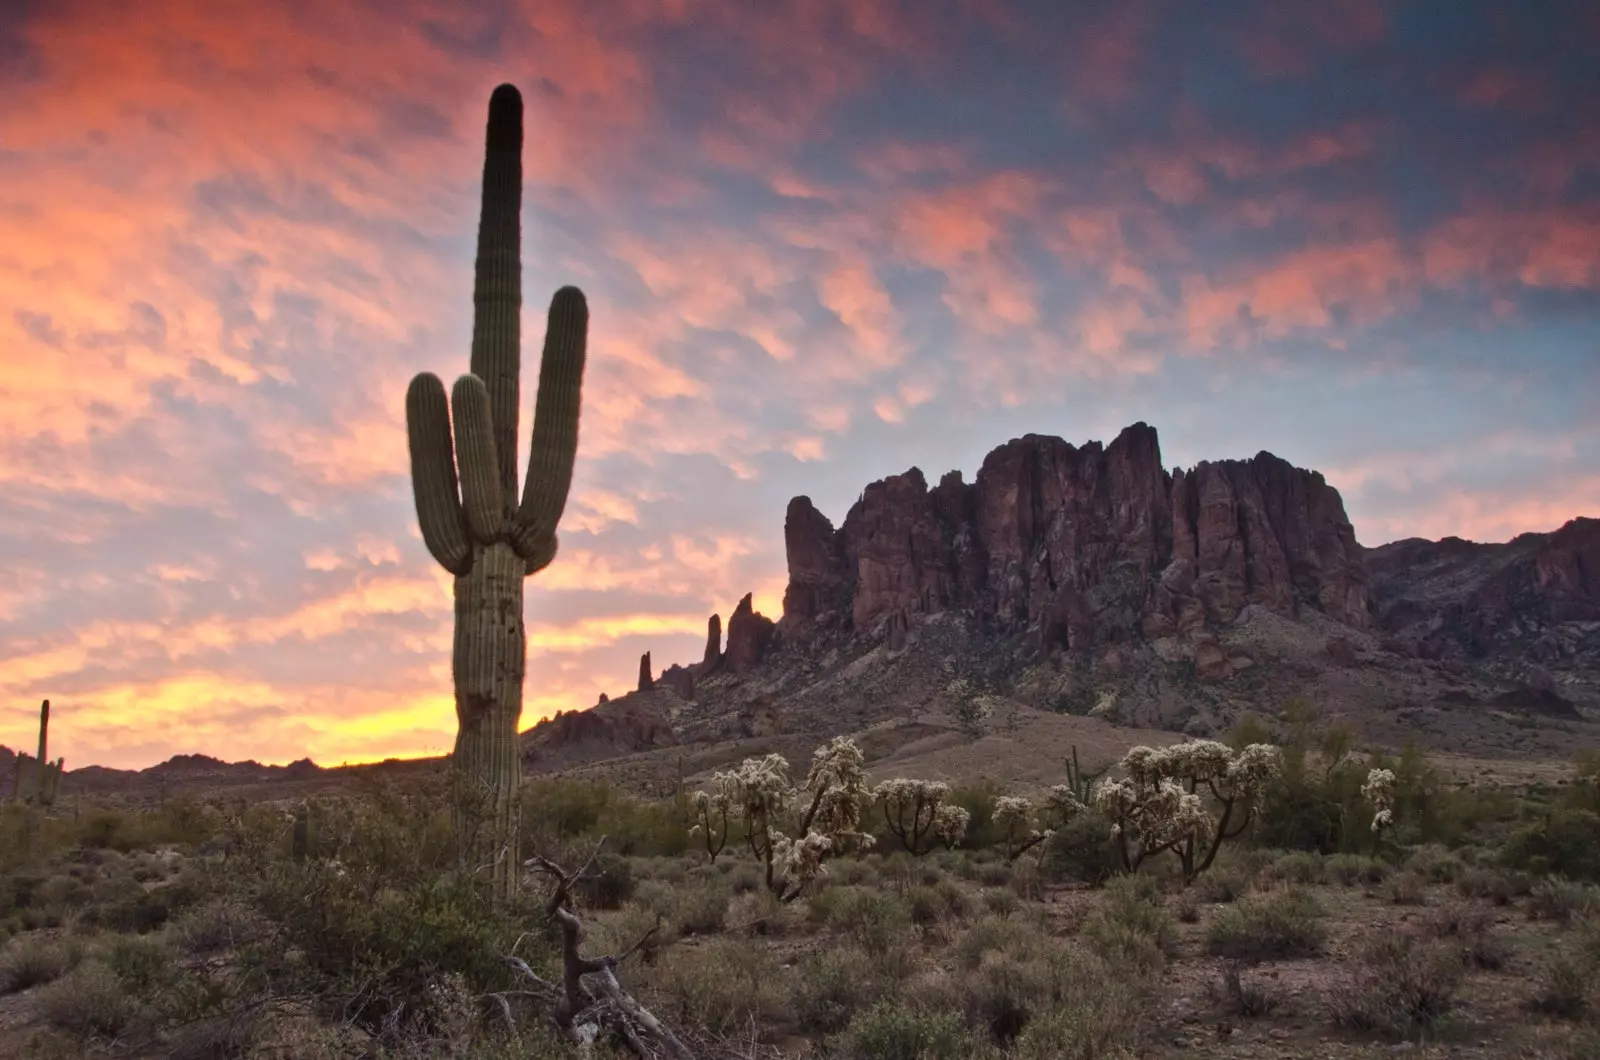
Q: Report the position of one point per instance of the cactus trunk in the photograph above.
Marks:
(489, 660)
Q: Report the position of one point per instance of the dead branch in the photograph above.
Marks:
(589, 985)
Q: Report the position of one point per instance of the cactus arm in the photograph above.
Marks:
(539, 559)
(555, 424)
(433, 474)
(482, 498)
(497, 287)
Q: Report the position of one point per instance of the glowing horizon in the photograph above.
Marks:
(822, 241)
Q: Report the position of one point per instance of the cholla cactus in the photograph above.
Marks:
(916, 812)
(761, 794)
(1158, 805)
(950, 824)
(838, 785)
(712, 810)
(1379, 791)
(1024, 826)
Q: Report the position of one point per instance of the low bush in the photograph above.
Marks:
(1400, 986)
(1348, 870)
(90, 1001)
(1130, 926)
(1300, 867)
(892, 1030)
(830, 989)
(1407, 888)
(1562, 900)
(1288, 923)
(1564, 842)
(31, 960)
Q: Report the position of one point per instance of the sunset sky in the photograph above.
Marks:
(822, 241)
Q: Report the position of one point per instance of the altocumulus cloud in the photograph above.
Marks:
(823, 240)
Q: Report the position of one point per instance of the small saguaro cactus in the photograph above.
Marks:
(467, 504)
(47, 774)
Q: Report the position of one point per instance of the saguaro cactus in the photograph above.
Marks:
(474, 524)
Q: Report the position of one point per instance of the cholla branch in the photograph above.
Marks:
(1379, 791)
(589, 985)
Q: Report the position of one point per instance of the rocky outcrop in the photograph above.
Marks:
(1081, 545)
(1535, 597)
(820, 582)
(646, 680)
(713, 654)
(750, 635)
(680, 679)
(628, 724)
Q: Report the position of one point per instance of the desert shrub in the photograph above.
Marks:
(830, 989)
(1189, 907)
(1564, 842)
(609, 883)
(852, 872)
(892, 1030)
(1289, 923)
(1026, 878)
(379, 949)
(932, 905)
(1300, 867)
(1434, 864)
(697, 907)
(612, 933)
(1565, 987)
(725, 984)
(141, 962)
(1562, 900)
(1221, 886)
(1406, 888)
(760, 913)
(994, 874)
(1348, 870)
(1005, 992)
(1131, 926)
(1093, 1012)
(1241, 995)
(559, 808)
(1081, 851)
(31, 960)
(88, 1001)
(1400, 986)
(1500, 886)
(875, 920)
(65, 892)
(1001, 901)
(216, 925)
(1470, 927)
(991, 934)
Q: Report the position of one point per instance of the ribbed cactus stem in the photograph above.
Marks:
(464, 476)
(433, 475)
(555, 420)
(497, 287)
(44, 732)
(482, 495)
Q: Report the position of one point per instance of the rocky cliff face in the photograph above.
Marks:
(1080, 545)
(626, 725)
(1532, 603)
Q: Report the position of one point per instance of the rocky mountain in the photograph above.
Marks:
(179, 770)
(1093, 580)
(1080, 546)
